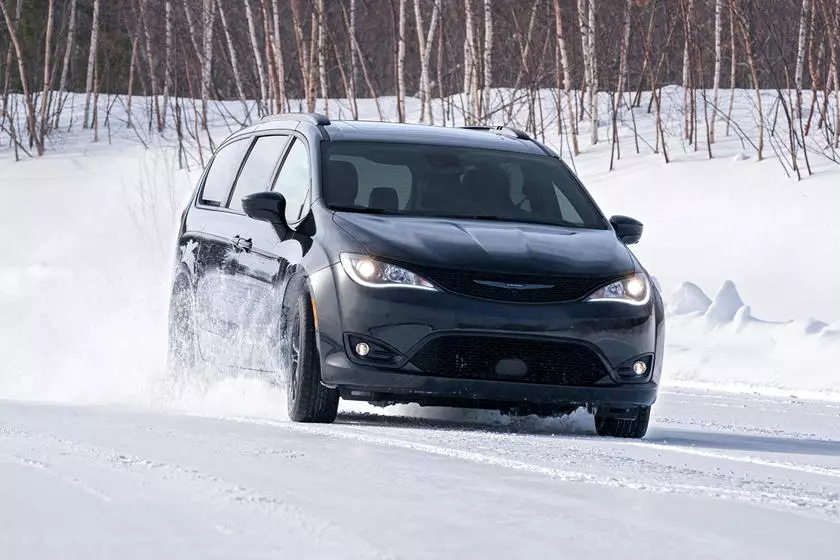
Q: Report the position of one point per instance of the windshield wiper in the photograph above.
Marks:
(362, 210)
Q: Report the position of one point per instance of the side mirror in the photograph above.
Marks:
(628, 230)
(266, 207)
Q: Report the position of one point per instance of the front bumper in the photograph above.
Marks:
(405, 319)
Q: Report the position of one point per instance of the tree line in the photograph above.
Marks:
(290, 55)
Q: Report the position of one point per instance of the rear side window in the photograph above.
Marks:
(293, 181)
(222, 172)
(256, 173)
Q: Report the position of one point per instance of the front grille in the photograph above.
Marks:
(524, 288)
(510, 359)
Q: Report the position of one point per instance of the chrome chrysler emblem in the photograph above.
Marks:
(512, 286)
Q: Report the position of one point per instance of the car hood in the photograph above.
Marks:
(502, 247)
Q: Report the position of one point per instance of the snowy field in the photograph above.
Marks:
(98, 459)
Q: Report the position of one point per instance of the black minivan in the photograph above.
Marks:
(397, 263)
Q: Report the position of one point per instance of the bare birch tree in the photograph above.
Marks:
(45, 95)
(234, 60)
(488, 55)
(322, 61)
(279, 61)
(424, 44)
(65, 66)
(150, 60)
(167, 60)
(800, 55)
(716, 78)
(745, 33)
(354, 72)
(255, 47)
(567, 76)
(469, 63)
(593, 71)
(583, 23)
(208, 19)
(94, 44)
(30, 108)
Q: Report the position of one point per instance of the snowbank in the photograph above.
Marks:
(719, 342)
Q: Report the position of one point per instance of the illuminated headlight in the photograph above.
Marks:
(377, 274)
(634, 290)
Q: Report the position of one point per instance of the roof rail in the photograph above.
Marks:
(506, 131)
(314, 118)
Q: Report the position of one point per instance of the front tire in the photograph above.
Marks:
(632, 424)
(308, 399)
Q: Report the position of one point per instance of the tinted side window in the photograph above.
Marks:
(222, 172)
(258, 168)
(293, 180)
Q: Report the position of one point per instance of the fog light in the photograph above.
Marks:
(639, 368)
(362, 349)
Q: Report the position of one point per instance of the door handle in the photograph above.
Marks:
(242, 244)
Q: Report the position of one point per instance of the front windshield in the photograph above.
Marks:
(454, 182)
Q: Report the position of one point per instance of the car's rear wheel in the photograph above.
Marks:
(630, 423)
(182, 355)
(308, 399)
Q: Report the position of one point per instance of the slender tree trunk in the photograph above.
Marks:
(593, 68)
(208, 19)
(716, 86)
(751, 62)
(30, 108)
(167, 62)
(733, 65)
(834, 37)
(425, 49)
(322, 61)
(686, 73)
(47, 69)
(150, 60)
(234, 60)
(567, 75)
(354, 72)
(525, 48)
(302, 48)
(488, 55)
(282, 99)
(361, 59)
(312, 92)
(94, 44)
(469, 62)
(65, 67)
(191, 27)
(273, 84)
(813, 68)
(622, 80)
(800, 56)
(401, 63)
(131, 68)
(255, 47)
(584, 39)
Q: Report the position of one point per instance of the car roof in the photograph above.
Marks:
(376, 131)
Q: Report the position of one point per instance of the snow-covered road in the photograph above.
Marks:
(719, 475)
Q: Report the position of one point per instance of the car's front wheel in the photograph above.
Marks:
(308, 399)
(631, 423)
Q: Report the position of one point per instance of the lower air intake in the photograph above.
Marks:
(510, 359)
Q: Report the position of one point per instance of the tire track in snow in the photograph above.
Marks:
(208, 485)
(824, 506)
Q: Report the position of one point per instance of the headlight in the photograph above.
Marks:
(634, 290)
(377, 274)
